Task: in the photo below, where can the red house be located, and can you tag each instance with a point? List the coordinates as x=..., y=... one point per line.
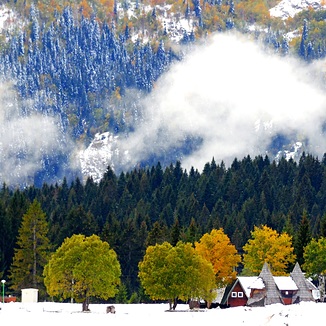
x=268, y=289
x=239, y=292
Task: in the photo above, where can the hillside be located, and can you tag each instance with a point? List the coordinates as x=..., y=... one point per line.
x=74, y=72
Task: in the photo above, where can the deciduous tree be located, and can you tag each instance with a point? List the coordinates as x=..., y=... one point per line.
x=216, y=248
x=171, y=273
x=81, y=268
x=267, y=245
x=315, y=261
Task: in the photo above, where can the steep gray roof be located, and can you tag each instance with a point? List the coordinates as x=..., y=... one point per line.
x=304, y=292
x=270, y=294
x=273, y=295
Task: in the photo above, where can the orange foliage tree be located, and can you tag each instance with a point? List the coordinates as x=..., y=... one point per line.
x=216, y=248
x=87, y=10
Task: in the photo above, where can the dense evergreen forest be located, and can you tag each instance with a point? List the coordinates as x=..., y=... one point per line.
x=148, y=206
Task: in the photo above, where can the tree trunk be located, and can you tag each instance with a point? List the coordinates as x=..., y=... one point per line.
x=86, y=304
x=34, y=256
x=175, y=302
x=322, y=287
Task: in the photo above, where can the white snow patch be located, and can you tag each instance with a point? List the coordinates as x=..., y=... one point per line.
x=289, y=8
x=98, y=156
x=7, y=17
x=293, y=153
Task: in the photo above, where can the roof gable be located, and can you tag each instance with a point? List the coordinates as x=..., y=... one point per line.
x=304, y=293
x=270, y=293
x=246, y=283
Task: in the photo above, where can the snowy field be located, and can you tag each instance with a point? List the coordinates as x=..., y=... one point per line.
x=60, y=314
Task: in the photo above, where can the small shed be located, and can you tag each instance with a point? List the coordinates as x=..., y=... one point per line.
x=29, y=295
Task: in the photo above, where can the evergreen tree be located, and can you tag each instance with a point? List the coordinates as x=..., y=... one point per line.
x=304, y=37
x=31, y=253
x=285, y=46
x=302, y=237
x=122, y=295
x=231, y=8
x=175, y=232
x=193, y=232
x=4, y=240
x=323, y=226
x=157, y=235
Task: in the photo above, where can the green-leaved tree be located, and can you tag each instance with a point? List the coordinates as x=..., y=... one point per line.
x=172, y=273
x=315, y=261
x=31, y=253
x=83, y=267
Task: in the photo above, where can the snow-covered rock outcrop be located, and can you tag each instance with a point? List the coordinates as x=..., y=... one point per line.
x=102, y=152
x=289, y=8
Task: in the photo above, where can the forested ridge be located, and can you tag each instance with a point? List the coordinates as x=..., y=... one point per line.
x=147, y=206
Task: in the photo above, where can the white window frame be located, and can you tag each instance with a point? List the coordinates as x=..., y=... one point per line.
x=234, y=294
x=240, y=294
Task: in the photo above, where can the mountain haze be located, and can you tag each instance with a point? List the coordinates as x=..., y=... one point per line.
x=132, y=84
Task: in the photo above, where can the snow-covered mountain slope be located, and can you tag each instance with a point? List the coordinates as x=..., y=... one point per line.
x=211, y=103
x=289, y=8
x=173, y=24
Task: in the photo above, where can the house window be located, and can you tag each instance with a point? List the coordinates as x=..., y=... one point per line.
x=234, y=294
x=240, y=294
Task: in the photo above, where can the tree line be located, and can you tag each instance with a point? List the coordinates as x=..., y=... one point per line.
x=86, y=268
x=152, y=205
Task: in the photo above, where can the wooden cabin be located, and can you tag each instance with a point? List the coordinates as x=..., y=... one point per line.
x=267, y=289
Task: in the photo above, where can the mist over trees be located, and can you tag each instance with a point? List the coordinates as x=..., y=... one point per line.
x=88, y=64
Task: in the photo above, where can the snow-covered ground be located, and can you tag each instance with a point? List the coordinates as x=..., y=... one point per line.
x=61, y=314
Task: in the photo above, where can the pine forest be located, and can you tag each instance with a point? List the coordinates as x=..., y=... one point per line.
x=148, y=206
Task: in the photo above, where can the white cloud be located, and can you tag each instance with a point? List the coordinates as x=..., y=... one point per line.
x=25, y=139
x=219, y=93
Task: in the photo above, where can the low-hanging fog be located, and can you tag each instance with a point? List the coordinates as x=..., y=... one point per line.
x=228, y=95
x=236, y=99
x=27, y=139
